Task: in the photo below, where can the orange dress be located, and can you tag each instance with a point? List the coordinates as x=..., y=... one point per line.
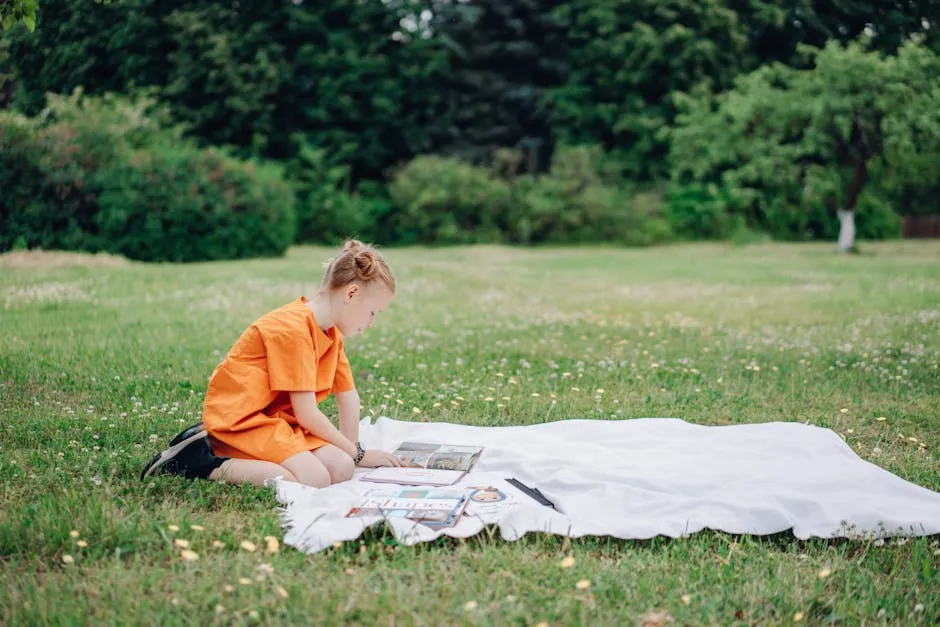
x=247, y=410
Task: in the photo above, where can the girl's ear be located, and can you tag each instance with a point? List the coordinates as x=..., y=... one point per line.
x=352, y=290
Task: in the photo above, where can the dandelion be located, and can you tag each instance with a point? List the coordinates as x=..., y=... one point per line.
x=73, y=534
x=281, y=592
x=798, y=617
x=254, y=615
x=583, y=584
x=350, y=571
x=880, y=418
x=469, y=606
x=219, y=609
x=196, y=527
x=844, y=410
x=189, y=556
x=173, y=528
x=337, y=545
x=568, y=562
x=229, y=587
x=81, y=544
x=534, y=394
x=218, y=544
x=266, y=568
x=68, y=559
x=245, y=581
x=183, y=544
x=825, y=572
x=686, y=599
x=918, y=608
x=248, y=546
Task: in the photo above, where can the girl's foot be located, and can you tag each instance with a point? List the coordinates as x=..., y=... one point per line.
x=188, y=454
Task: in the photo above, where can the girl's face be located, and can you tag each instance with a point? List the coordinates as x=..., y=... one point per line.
x=359, y=305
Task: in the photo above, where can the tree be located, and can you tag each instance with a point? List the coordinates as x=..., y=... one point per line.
x=16, y=11
x=503, y=56
x=816, y=136
x=628, y=57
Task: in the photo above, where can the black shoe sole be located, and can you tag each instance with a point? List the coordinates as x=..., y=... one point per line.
x=160, y=459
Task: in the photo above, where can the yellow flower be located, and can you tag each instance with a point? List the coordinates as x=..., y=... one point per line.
x=229, y=587
x=248, y=546
x=183, y=544
x=254, y=615
x=272, y=544
x=568, y=562
x=798, y=617
x=189, y=556
x=584, y=584
x=245, y=581
x=825, y=572
x=68, y=559
x=686, y=599
x=218, y=544
x=173, y=528
x=81, y=544
x=469, y=606
x=281, y=592
x=73, y=534
x=196, y=527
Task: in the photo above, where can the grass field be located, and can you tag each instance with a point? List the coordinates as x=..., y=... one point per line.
x=101, y=361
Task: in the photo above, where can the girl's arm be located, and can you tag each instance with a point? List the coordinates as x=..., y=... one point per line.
x=349, y=407
x=315, y=421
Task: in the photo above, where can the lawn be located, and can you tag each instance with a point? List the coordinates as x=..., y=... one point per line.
x=102, y=360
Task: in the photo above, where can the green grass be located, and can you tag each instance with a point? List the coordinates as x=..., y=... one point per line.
x=101, y=362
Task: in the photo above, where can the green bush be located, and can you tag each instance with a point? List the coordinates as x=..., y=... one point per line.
x=579, y=201
x=109, y=174
x=47, y=200
x=327, y=211
x=697, y=211
x=442, y=200
x=179, y=203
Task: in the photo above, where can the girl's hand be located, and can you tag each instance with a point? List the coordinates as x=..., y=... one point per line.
x=375, y=458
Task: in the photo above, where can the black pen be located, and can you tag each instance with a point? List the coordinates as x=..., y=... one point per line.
x=535, y=493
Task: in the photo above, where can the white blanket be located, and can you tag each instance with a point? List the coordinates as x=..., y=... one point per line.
x=638, y=479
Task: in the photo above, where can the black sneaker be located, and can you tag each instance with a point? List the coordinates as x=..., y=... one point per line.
x=189, y=455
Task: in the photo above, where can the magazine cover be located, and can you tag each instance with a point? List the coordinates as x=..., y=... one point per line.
x=432, y=507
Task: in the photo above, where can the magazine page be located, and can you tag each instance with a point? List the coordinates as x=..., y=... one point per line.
x=438, y=456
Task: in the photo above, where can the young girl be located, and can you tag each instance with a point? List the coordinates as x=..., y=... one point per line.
x=260, y=417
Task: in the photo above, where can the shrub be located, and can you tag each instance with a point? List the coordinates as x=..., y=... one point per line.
x=179, y=203
x=443, y=200
x=327, y=211
x=697, y=211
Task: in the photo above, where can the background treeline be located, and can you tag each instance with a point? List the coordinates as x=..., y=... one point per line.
x=205, y=130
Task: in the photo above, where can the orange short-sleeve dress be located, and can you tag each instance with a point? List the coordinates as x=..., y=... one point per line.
x=247, y=410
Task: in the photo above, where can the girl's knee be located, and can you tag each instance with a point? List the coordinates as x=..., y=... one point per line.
x=342, y=469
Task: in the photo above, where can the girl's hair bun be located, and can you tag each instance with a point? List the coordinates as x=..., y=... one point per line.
x=366, y=265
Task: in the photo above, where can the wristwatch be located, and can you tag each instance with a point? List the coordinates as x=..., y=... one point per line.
x=360, y=453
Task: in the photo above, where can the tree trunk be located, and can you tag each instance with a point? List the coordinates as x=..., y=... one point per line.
x=847, y=215
x=846, y=230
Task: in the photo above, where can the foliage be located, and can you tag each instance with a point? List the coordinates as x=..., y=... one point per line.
x=328, y=211
x=105, y=173
x=18, y=11
x=789, y=143
x=503, y=55
x=180, y=203
x=444, y=200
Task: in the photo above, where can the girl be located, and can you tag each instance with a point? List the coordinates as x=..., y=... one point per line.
x=260, y=417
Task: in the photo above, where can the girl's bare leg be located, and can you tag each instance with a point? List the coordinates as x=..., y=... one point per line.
x=253, y=471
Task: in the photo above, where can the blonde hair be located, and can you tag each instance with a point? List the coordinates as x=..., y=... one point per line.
x=358, y=262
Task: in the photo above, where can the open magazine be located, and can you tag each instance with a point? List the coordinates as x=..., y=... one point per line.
x=427, y=464
x=433, y=507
